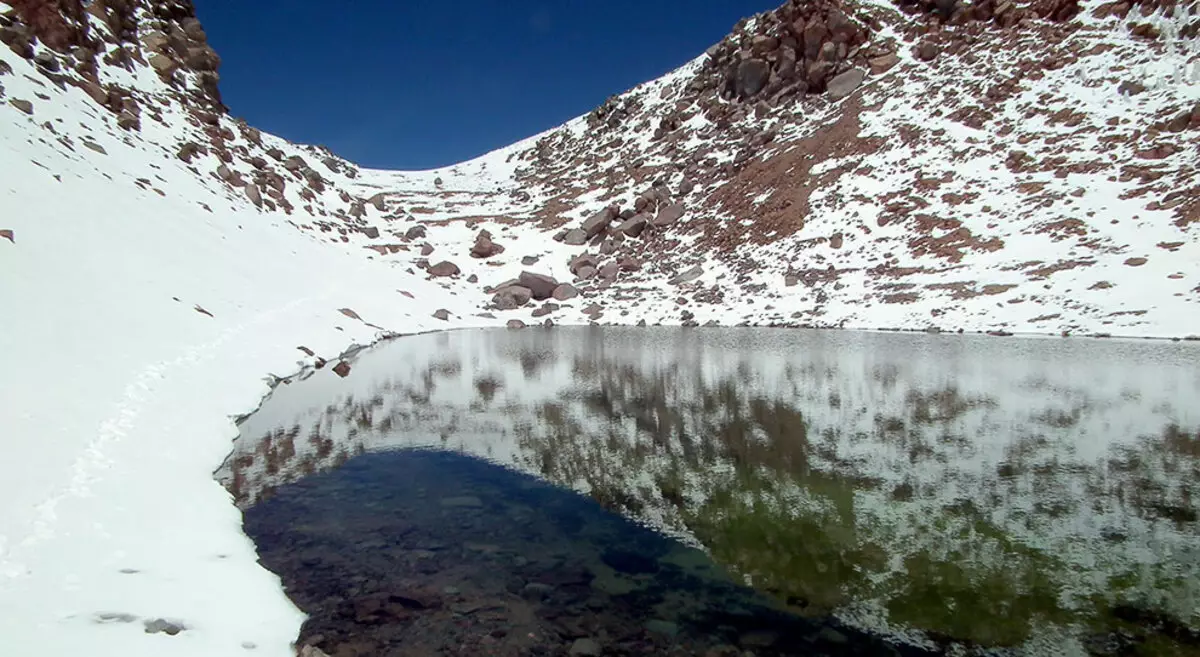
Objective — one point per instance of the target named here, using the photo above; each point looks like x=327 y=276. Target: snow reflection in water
x=1031 y=493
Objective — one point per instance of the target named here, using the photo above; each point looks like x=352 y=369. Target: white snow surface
x=144 y=304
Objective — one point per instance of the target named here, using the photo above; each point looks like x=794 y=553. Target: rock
x=581 y=261
x=844 y=84
x=7 y=234
x=312 y=651
x=46 y=60
x=442 y=314
x=484 y=246
x=564 y=292
x=426 y=249
x=1136 y=262
x=836 y=240
x=609 y=271
x=585 y=273
x=295 y=163
x=751 y=77
x=668 y=215
x=515 y=324
x=253 y=193
x=165 y=66
x=93 y=146
x=687 y=276
x=23 y=105
x=549 y=323
x=585 y=648
x=545 y=309
x=529 y=260
x=443 y=269
x=342 y=369
x=883 y=63
x=598 y=222
x=415 y=233
x=128 y=121
x=541 y=286
x=762 y=44
x=634 y=226
x=437 y=181
x=814 y=35
x=371 y=232
x=163 y=626
x=785 y=67
x=686 y=186
x=575 y=237
x=511 y=297
x=927 y=51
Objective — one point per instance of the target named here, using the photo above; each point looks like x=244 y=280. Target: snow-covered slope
x=161 y=261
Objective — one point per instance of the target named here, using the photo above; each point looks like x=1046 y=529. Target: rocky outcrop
x=484 y=247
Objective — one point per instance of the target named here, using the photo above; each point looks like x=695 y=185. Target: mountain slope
x=1025 y=167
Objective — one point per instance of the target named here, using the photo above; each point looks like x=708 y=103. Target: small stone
x=342 y=369
x=442 y=314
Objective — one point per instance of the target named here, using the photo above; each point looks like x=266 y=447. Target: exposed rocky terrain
x=947 y=165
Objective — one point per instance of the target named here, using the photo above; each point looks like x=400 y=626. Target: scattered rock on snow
x=515 y=324
x=634 y=226
x=342 y=369
x=511 y=297
x=442 y=314
x=540 y=285
x=163 y=626
x=598 y=222
x=23 y=105
x=6 y=233
x=444 y=268
x=565 y=291
x=484 y=246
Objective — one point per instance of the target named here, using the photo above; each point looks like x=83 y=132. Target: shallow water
x=1027 y=496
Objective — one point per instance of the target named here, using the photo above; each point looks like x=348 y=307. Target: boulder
x=883 y=63
x=545 y=309
x=376 y=200
x=785 y=66
x=575 y=237
x=165 y=66
x=598 y=222
x=23 y=105
x=484 y=246
x=444 y=268
x=581 y=261
x=253 y=193
x=415 y=233
x=668 y=215
x=371 y=232
x=843 y=84
x=515 y=324
x=564 y=292
x=686 y=186
x=634 y=227
x=342 y=369
x=540 y=285
x=511 y=297
x=442 y=314
x=927 y=51
x=751 y=77
x=609 y=271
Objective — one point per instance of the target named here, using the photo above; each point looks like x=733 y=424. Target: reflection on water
x=1034 y=495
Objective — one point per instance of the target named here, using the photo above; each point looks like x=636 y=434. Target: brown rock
x=253 y=193
x=484 y=246
x=6 y=233
x=442 y=314
x=127 y=121
x=472 y=279
x=415 y=233
x=687 y=276
x=1136 y=262
x=545 y=309
x=575 y=237
x=426 y=249
x=23 y=105
x=564 y=292
x=762 y=44
x=165 y=66
x=814 y=37
x=598 y=222
x=511 y=297
x=443 y=269
x=836 y=240
x=515 y=324
x=376 y=200
x=581 y=261
x=927 y=51
x=668 y=215
x=529 y=260
x=342 y=369
x=540 y=285
x=883 y=63
x=634 y=226
x=371 y=232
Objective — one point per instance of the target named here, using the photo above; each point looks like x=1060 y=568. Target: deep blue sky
x=421 y=83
